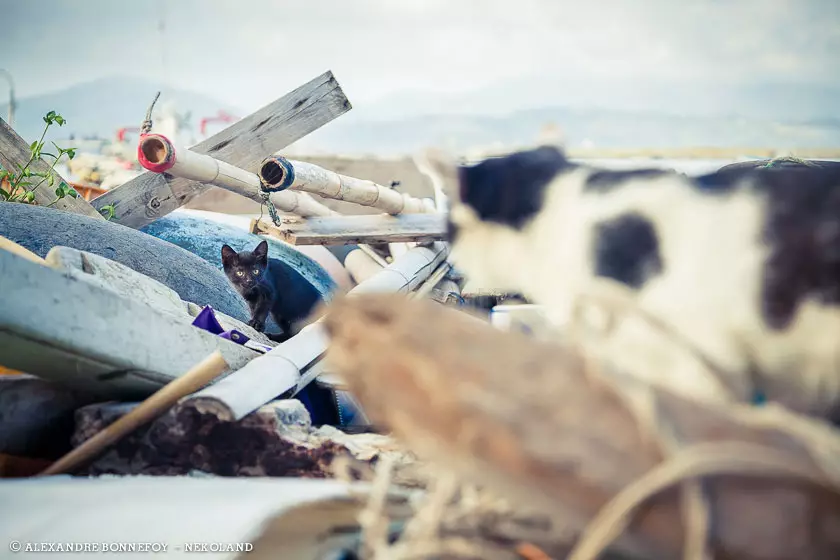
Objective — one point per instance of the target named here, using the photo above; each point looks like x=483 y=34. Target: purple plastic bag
x=206 y=320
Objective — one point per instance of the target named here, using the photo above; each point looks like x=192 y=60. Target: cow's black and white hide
x=743 y=263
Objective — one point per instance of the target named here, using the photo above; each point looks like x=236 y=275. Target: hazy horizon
x=377 y=49
x=398 y=62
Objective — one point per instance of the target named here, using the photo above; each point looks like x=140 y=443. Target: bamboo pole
x=158 y=154
x=277 y=172
x=200 y=375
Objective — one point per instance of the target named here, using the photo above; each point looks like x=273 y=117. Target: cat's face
x=493 y=204
x=245 y=270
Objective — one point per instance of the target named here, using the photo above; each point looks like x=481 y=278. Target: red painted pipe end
x=155 y=153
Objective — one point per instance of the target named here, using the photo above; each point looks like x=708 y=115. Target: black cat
x=270 y=286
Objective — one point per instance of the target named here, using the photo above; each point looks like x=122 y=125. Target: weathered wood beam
x=347 y=230
x=244 y=144
x=548 y=428
x=14 y=151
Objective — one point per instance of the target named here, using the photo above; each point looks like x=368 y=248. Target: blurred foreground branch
x=614 y=462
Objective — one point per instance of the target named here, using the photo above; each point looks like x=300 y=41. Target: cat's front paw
x=257 y=325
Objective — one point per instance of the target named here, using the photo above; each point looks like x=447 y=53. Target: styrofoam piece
x=170 y=511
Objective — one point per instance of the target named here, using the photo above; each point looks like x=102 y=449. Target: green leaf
x=50 y=180
x=24 y=184
x=71 y=153
x=60 y=120
x=72 y=192
x=59 y=192
x=108 y=211
x=33 y=145
x=30 y=196
x=48 y=155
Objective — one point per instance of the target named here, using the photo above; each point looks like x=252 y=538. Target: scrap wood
x=349 y=230
x=150 y=196
x=541 y=425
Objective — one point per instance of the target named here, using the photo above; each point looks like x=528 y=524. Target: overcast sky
x=248 y=53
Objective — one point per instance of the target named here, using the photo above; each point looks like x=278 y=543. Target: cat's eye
x=239 y=273
x=256 y=272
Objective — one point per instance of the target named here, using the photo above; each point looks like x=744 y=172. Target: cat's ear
x=442 y=169
x=261 y=252
x=229 y=256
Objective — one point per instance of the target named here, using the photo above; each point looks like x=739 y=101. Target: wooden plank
x=14 y=151
x=244 y=144
x=547 y=428
x=349 y=230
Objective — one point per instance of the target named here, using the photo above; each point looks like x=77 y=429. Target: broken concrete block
x=126 y=282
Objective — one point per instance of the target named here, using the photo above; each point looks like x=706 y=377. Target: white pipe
x=158 y=154
x=272 y=374
x=361 y=266
x=277 y=172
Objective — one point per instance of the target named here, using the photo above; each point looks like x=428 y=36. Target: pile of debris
x=127 y=354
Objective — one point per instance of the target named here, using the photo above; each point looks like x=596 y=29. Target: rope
x=146 y=127
x=272 y=211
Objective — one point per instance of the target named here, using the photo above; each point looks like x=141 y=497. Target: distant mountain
x=592 y=112
x=780 y=101
x=580 y=127
x=100 y=107
x=504 y=115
